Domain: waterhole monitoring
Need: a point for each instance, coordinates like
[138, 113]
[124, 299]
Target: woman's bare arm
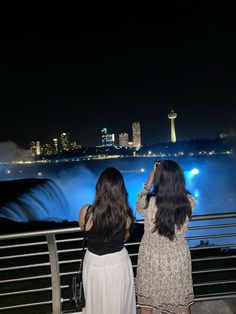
[129, 223]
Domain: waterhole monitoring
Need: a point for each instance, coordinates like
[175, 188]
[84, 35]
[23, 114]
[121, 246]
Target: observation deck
[36, 267]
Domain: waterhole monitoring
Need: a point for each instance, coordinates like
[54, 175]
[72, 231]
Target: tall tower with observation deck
[172, 116]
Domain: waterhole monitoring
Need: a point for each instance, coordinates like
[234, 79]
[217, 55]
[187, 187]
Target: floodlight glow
[194, 171]
[142, 170]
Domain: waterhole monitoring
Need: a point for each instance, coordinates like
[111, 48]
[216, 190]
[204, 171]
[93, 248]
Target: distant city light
[194, 171]
[40, 174]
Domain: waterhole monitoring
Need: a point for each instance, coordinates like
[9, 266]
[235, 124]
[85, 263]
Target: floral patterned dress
[164, 272]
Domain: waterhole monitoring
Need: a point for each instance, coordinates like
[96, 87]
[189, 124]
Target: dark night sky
[80, 74]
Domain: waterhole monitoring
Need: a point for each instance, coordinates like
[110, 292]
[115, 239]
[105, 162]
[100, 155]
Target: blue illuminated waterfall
[32, 199]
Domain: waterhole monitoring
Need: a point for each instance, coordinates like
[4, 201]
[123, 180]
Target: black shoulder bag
[77, 284]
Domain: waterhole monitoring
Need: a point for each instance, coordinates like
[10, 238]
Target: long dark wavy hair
[110, 208]
[171, 199]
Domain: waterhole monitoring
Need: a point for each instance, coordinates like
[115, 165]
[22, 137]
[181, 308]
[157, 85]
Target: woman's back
[164, 277]
[154, 239]
[107, 269]
[98, 243]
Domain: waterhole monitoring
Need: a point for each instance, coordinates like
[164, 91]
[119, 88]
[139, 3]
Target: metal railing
[36, 267]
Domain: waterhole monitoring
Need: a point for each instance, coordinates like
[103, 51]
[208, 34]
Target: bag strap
[83, 242]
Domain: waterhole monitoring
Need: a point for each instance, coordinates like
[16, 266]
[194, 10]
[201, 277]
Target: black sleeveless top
[98, 244]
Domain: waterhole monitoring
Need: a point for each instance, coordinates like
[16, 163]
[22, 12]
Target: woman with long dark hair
[164, 274]
[107, 270]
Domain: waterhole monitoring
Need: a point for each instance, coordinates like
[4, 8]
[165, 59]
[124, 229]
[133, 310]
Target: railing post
[54, 265]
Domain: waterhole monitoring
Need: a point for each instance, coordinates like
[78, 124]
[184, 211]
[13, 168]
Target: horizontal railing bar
[137, 243]
[25, 278]
[29, 291]
[24, 266]
[24, 255]
[213, 258]
[68, 273]
[19, 306]
[214, 246]
[132, 254]
[39, 233]
[214, 283]
[226, 245]
[13, 246]
[69, 240]
[202, 259]
[67, 300]
[213, 270]
[77, 229]
[210, 236]
[206, 217]
[205, 270]
[213, 226]
[25, 291]
[215, 296]
[213, 216]
[70, 261]
[69, 250]
[132, 243]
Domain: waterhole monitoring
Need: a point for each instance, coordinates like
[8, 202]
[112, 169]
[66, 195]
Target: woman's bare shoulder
[82, 214]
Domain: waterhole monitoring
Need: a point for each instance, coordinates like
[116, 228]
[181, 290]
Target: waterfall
[32, 199]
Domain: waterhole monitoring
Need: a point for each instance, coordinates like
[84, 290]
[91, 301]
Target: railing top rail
[214, 216]
[38, 233]
[77, 229]
[208, 217]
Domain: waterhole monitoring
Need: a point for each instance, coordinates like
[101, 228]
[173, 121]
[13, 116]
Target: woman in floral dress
[164, 274]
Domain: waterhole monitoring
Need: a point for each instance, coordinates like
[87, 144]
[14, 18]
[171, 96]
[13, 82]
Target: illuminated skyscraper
[64, 141]
[136, 131]
[47, 149]
[107, 139]
[110, 140]
[172, 116]
[33, 148]
[55, 146]
[104, 137]
[73, 145]
[123, 139]
[38, 149]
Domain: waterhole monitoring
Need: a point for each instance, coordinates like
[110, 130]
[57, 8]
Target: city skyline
[65, 143]
[110, 70]
[115, 138]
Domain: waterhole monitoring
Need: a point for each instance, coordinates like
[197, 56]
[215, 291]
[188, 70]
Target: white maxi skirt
[108, 284]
